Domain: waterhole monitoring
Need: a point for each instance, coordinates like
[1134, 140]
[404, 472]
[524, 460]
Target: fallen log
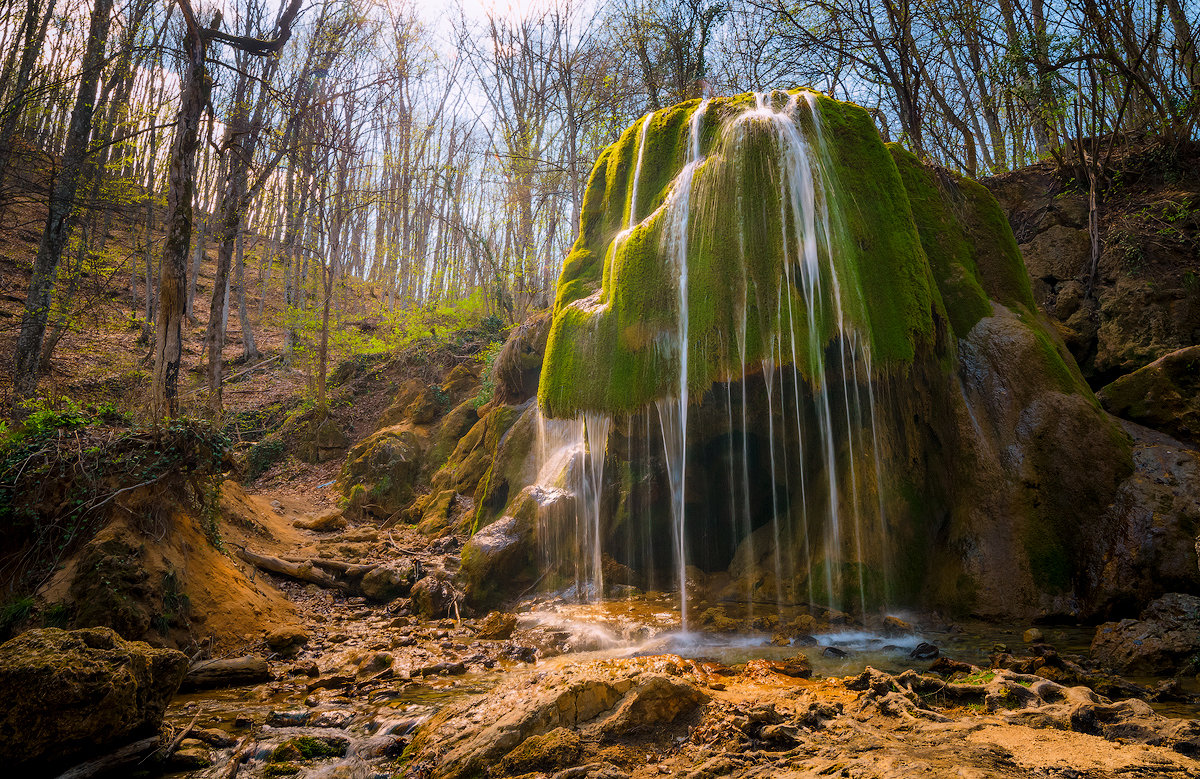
[337, 567]
[108, 764]
[304, 571]
[226, 672]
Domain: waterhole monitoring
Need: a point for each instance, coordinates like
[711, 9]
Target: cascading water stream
[804, 342]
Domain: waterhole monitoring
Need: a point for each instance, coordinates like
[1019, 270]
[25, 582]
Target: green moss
[1049, 563]
[944, 238]
[613, 344]
[309, 748]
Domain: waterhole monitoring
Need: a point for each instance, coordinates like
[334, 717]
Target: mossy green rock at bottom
[1164, 395]
[70, 695]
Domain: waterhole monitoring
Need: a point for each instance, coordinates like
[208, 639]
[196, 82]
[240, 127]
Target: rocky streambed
[388, 673]
[614, 690]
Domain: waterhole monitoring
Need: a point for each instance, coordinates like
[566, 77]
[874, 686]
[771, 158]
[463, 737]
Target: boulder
[389, 581]
[559, 748]
[1163, 641]
[324, 522]
[286, 641]
[433, 597]
[597, 701]
[497, 560]
[71, 694]
[380, 470]
[1164, 395]
[497, 626]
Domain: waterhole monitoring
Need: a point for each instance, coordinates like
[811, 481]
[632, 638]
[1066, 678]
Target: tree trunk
[168, 345]
[62, 200]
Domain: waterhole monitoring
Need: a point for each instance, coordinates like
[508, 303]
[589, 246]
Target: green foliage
[487, 387]
[13, 614]
[263, 455]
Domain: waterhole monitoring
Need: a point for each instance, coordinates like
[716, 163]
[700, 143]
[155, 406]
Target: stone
[499, 558]
[428, 405]
[1032, 636]
[388, 581]
[380, 471]
[1164, 395]
[559, 748]
[309, 748]
[655, 699]
[71, 694]
[894, 627]
[1163, 641]
[190, 758]
[287, 640]
[324, 522]
[433, 597]
[497, 626]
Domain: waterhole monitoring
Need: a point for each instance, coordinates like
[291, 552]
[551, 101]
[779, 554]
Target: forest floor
[362, 689]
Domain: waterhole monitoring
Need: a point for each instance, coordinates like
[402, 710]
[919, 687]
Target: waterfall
[760, 184]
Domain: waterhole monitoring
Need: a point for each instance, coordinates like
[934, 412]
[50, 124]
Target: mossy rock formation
[991, 457]
[69, 695]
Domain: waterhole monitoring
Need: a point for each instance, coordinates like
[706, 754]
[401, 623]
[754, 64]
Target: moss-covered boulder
[519, 366]
[617, 315]
[380, 471]
[878, 412]
[314, 435]
[69, 695]
[1164, 395]
[499, 559]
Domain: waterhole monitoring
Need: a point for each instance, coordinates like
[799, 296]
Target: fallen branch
[338, 567]
[305, 571]
[109, 763]
[226, 672]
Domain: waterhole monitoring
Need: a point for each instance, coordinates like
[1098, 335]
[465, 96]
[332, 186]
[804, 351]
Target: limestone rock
[497, 626]
[498, 559]
[428, 405]
[286, 641]
[599, 700]
[1164, 395]
[1163, 641]
[389, 581]
[380, 470]
[70, 694]
[324, 522]
[557, 749]
[433, 597]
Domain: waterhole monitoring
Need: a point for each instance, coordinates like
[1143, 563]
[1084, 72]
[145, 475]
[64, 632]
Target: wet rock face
[1164, 640]
[70, 695]
[1164, 395]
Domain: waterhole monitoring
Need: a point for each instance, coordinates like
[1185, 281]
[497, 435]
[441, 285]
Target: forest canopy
[440, 151]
